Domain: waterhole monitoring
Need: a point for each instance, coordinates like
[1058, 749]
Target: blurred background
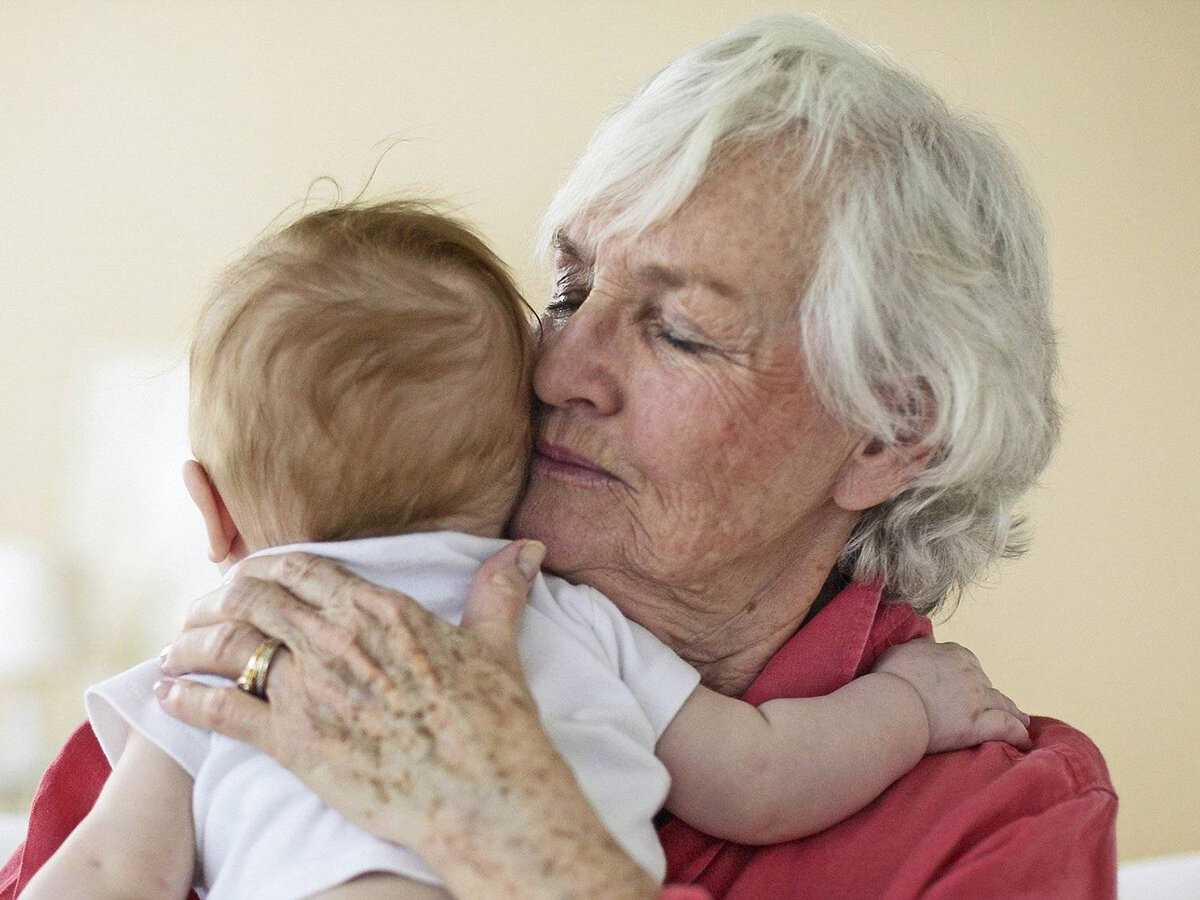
[142, 144]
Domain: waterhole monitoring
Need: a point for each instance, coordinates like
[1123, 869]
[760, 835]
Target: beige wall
[141, 144]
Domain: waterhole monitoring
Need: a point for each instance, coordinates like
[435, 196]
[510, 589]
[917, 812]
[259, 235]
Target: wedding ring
[253, 679]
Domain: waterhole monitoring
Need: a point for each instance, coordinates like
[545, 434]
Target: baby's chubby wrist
[907, 692]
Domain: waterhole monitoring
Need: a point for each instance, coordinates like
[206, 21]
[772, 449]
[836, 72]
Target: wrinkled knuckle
[222, 640]
[298, 567]
[361, 668]
[216, 707]
[196, 606]
[236, 598]
[334, 638]
[403, 628]
[228, 603]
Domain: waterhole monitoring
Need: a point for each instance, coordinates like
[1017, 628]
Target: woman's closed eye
[571, 290]
[677, 341]
[677, 334]
[562, 305]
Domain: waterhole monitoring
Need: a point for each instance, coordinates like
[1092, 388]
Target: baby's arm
[793, 767]
[138, 840]
[789, 768]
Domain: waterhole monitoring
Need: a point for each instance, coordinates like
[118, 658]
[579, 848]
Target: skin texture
[732, 491]
[685, 468]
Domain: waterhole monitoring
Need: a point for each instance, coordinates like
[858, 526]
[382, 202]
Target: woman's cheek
[712, 423]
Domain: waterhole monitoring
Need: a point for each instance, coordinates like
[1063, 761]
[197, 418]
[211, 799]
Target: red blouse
[987, 822]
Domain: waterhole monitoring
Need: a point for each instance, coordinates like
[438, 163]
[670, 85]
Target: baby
[360, 389]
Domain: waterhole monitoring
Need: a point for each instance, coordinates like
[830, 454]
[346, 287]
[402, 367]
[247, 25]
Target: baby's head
[363, 372]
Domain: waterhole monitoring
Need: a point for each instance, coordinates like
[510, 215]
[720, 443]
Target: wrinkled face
[680, 443]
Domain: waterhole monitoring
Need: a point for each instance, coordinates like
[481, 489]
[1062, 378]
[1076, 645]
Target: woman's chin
[572, 533]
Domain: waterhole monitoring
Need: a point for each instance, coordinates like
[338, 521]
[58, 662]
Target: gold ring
[253, 679]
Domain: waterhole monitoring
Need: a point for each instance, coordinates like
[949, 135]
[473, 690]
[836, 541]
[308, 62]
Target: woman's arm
[421, 733]
[137, 841]
[791, 768]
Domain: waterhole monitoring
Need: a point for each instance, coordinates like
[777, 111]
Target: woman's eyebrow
[565, 247]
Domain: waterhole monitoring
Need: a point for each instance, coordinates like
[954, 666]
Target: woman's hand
[419, 732]
[961, 705]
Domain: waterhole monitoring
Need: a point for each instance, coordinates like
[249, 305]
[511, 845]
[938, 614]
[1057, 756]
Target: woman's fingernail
[162, 687]
[529, 560]
[165, 650]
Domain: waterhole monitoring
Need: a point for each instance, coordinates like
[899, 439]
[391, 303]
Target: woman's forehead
[720, 245]
[744, 233]
[642, 261]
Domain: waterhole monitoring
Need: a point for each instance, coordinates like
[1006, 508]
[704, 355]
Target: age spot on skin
[381, 791]
[337, 730]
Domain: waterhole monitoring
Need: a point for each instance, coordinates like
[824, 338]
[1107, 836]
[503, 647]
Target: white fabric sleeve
[126, 702]
[659, 680]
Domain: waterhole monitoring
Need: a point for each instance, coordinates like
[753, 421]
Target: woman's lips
[559, 462]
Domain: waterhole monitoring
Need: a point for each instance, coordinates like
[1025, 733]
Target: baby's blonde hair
[363, 372]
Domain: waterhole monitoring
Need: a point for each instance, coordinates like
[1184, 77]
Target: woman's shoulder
[1068, 757]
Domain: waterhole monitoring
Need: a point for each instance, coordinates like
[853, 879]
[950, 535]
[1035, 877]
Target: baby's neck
[468, 523]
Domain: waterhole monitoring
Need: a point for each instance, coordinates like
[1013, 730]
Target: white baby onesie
[606, 690]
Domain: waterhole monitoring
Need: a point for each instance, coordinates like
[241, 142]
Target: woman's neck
[733, 622]
[730, 653]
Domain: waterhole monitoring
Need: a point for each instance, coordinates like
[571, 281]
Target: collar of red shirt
[840, 643]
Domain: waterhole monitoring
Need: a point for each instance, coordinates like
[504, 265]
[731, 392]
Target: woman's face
[680, 444]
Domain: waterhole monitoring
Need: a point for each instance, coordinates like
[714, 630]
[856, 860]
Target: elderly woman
[795, 372]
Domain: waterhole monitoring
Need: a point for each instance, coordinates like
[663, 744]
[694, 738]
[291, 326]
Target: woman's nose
[579, 362]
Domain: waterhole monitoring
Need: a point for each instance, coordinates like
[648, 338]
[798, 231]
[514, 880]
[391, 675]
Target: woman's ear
[218, 523]
[874, 472]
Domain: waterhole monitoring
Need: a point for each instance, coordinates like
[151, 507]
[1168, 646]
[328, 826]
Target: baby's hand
[962, 706]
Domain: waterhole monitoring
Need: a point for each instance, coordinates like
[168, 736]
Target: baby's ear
[218, 523]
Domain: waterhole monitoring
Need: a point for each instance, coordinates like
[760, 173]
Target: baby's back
[605, 688]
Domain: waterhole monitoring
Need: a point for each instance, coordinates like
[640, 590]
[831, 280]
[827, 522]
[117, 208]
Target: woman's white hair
[926, 316]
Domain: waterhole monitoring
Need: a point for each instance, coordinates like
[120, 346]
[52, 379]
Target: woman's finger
[309, 578]
[313, 580]
[215, 649]
[338, 595]
[230, 711]
[272, 611]
[205, 610]
[308, 602]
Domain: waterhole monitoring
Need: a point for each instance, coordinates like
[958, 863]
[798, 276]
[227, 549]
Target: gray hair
[926, 316]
